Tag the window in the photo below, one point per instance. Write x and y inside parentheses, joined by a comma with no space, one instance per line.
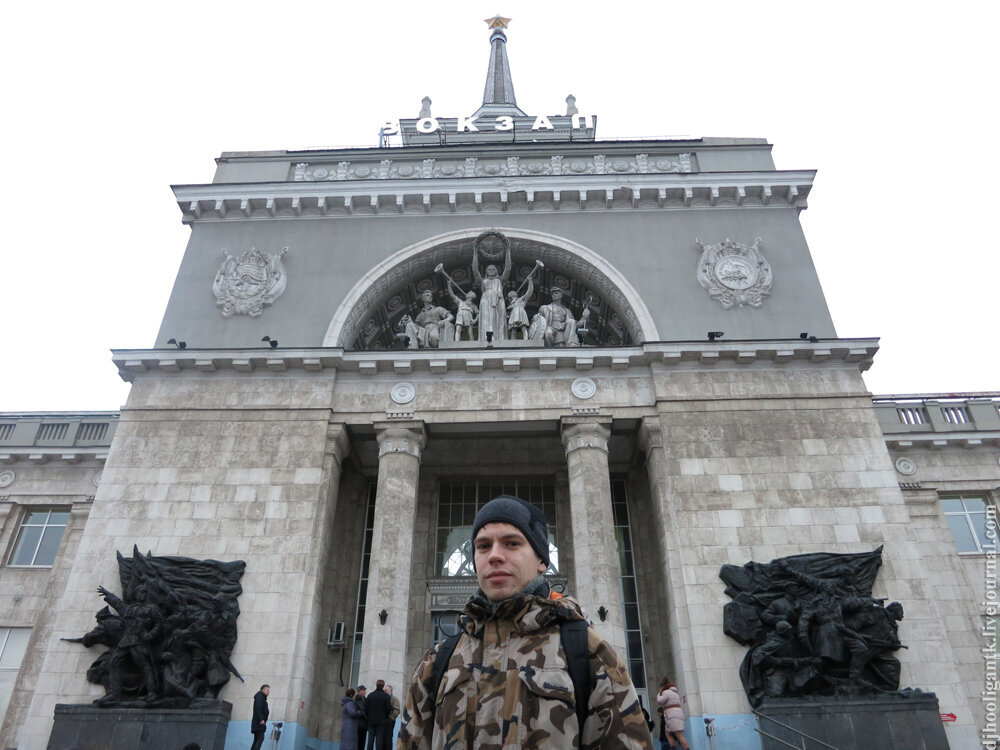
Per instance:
(39,536)
(13,642)
(967,518)
(630,591)
(458,504)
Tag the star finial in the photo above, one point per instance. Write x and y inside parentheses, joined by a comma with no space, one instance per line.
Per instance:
(497,22)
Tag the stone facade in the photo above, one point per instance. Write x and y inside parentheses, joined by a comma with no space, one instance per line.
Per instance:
(304,441)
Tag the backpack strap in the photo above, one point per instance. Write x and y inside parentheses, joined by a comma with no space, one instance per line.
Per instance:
(574,643)
(441,658)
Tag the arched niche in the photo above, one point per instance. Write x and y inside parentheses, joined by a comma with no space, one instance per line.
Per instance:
(368,316)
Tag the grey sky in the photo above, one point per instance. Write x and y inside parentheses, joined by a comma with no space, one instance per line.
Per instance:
(109,104)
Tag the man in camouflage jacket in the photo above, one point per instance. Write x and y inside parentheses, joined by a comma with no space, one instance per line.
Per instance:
(507,684)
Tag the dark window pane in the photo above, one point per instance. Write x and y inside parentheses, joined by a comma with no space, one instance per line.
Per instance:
(24,551)
(50,545)
(960,530)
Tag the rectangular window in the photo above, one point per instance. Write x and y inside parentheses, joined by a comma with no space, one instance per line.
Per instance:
(967,518)
(366,557)
(38,537)
(630,591)
(13,642)
(458,503)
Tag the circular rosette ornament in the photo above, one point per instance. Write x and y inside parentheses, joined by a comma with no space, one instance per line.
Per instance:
(735,274)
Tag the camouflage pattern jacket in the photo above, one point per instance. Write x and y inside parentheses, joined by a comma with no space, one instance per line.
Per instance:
(507,686)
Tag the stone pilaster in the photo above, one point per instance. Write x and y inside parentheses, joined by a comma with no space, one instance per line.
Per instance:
(383,650)
(597,573)
(681,644)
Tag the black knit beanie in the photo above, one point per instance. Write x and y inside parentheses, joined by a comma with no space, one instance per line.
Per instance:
(528,519)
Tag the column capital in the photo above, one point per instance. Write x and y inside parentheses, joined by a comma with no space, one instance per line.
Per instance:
(650,435)
(585,432)
(401,437)
(338,445)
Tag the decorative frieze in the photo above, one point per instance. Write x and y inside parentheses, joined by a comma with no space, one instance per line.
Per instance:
(509,166)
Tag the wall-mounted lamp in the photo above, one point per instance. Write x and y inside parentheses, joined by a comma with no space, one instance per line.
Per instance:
(602,612)
(178,344)
(382,617)
(713,335)
(806,337)
(273,343)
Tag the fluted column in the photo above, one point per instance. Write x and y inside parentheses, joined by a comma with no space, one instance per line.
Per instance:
(597,574)
(383,650)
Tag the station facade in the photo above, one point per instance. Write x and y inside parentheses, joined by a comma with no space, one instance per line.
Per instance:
(675,398)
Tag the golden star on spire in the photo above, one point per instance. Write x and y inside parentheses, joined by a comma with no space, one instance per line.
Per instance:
(497,22)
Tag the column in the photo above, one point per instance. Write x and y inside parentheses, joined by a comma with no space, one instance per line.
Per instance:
(597,574)
(383,650)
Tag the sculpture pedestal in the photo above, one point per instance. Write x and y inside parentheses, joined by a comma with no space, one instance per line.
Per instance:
(87,727)
(891,721)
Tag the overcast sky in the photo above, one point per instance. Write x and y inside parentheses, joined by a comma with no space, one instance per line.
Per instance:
(108,104)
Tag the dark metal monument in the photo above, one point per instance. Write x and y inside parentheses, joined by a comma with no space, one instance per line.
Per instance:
(820,656)
(169,640)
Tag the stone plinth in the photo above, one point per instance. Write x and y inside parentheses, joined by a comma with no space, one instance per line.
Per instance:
(895,720)
(87,727)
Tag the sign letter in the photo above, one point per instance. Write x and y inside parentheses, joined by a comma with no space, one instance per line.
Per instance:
(504,122)
(466,123)
(427,124)
(542,123)
(390,128)
(583,121)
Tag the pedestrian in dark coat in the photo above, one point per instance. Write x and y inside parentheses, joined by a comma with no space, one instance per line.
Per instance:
(349,718)
(258,722)
(377,708)
(360,701)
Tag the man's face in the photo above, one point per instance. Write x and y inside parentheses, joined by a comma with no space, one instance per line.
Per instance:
(505,562)
(266,690)
(427,296)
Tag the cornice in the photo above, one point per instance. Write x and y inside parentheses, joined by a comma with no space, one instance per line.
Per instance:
(134,363)
(43,455)
(565,192)
(938,440)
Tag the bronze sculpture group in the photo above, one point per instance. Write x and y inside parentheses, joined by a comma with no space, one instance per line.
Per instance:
(812,626)
(171,633)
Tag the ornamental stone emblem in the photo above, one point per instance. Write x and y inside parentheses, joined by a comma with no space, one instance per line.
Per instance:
(734,274)
(247,284)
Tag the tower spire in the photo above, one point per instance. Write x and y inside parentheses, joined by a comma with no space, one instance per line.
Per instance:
(498,96)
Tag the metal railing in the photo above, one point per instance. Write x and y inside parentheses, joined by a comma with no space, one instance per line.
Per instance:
(801,735)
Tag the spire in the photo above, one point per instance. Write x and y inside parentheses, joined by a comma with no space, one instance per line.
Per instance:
(498,97)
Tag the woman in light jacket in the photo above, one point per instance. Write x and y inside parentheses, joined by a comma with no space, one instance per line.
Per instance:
(670,701)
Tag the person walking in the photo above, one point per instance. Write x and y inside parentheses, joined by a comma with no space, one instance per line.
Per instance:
(670,701)
(258,722)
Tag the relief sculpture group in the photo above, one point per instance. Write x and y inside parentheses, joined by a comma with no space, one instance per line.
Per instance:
(501,314)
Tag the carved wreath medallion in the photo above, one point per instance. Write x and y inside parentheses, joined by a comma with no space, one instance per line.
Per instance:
(734,274)
(245,285)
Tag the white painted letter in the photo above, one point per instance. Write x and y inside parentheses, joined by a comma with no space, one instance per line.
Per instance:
(427,124)
(542,122)
(390,128)
(583,121)
(466,123)
(504,122)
